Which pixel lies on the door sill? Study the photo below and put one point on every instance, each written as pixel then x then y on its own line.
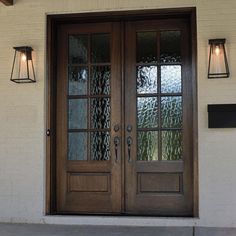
pixel 119 215
pixel 123 220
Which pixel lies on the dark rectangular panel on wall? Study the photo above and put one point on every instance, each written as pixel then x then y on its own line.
pixel 222 116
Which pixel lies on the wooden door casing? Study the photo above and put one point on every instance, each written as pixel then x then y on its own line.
pixel 124 197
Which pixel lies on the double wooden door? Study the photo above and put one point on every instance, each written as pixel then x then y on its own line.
pixel 123 124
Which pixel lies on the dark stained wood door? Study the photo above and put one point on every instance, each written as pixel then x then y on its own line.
pixel 88 119
pixel 158 118
pixel 124 118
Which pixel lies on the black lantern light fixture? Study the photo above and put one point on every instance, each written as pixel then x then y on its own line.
pixel 23 67
pixel 218 65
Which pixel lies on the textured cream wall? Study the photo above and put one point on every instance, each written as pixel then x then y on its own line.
pixel 22 113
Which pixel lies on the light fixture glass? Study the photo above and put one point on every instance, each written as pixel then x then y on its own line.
pixel 23 67
pixel 218 64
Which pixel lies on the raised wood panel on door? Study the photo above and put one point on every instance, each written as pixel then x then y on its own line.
pixel 87 186
pixel 158 187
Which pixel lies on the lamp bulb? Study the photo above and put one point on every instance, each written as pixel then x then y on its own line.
pixel 217 50
pixel 23 57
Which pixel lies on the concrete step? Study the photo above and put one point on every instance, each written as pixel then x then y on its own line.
pixel 66 230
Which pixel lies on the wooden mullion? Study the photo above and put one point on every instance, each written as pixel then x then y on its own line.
pixel 171 94
pixel 147 95
pixel 77 65
pixel 160 94
pixel 159 64
pixel 91 64
pixel 88 130
pixel 159 129
pixel 89 106
pixel 88 96
pixel 101 64
pixel 159 97
pixel 146 64
pixel 170 63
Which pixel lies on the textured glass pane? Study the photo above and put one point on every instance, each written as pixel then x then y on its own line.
pixel 146 47
pixel 78 49
pixel 100 80
pixel 77 113
pixel 148 146
pixel 147 110
pixel 171 145
pixel 171 79
pixel 146 79
pixel 171 112
pixel 78 80
pixel 100 44
pixel 170 46
pixel 77 146
pixel 100 146
pixel 101 113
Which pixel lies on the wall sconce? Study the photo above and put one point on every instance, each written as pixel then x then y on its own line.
pixel 218 65
pixel 23 67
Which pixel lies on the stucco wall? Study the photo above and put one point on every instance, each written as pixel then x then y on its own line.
pixel 22 113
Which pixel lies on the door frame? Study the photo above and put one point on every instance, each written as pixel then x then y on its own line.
pixel 53 22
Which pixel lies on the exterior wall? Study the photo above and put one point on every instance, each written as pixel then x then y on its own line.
pixel 23 112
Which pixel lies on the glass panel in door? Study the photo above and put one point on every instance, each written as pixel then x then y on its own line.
pixel 89 97
pixel 159 95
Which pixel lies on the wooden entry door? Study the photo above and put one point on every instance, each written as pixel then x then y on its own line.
pixel 89 119
pixel 124 118
pixel 158 118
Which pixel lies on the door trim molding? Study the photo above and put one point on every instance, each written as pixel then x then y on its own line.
pixel 53 22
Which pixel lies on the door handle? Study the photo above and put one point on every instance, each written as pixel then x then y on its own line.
pixel 116 143
pixel 129 143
